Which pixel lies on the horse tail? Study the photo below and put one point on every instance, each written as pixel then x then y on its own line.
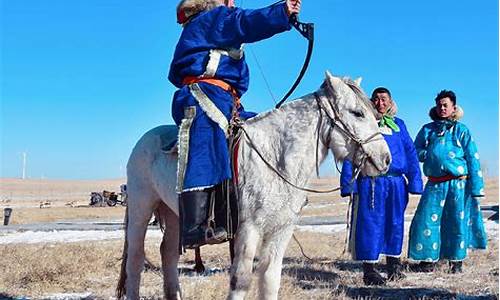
pixel 120 288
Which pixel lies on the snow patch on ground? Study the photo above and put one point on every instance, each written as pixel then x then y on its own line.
pixel 491 228
pixel 73 236
pixel 67 236
pixel 326 229
pixel 69 296
pixel 318 206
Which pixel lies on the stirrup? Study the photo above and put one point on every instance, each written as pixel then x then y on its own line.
pixel 211 237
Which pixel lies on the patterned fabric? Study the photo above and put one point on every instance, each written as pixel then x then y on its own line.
pixel 448 219
pixel 447 222
pixel 211 46
pixel 447 148
pixel 378 207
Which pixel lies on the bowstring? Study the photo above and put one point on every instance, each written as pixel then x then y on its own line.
pixel 262 74
pixel 261 70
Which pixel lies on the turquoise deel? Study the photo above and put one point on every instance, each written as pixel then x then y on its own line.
pixel 380 202
pixel 221 28
pixel 448 218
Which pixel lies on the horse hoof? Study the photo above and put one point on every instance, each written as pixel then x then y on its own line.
pixel 200 269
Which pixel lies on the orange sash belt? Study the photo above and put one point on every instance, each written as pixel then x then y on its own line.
pixel 217 82
pixel 445 178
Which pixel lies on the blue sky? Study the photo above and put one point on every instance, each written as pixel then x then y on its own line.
pixel 82 80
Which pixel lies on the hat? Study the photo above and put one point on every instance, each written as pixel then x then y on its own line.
pixel 188 8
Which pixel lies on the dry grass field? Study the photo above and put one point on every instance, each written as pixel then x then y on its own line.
pixel 91 268
pixel 68 199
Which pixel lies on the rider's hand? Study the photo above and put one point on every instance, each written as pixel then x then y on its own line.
pixel 292 7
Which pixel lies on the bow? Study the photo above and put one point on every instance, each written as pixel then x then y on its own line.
pixel 307 31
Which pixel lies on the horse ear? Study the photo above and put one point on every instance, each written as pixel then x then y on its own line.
pixel 358 80
pixel 331 80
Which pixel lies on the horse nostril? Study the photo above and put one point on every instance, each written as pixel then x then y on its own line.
pixel 387 159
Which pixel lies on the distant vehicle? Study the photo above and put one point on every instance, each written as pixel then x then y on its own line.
pixel 108 198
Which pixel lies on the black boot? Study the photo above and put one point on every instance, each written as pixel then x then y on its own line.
pixel 194 213
pixel 423 266
pixel 455 267
pixel 371 276
pixel 394 269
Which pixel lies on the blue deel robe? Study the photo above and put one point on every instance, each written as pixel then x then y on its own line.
pixel 226 29
pixel 377 219
pixel 448 219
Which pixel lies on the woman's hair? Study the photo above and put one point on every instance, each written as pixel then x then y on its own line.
pixel 446 94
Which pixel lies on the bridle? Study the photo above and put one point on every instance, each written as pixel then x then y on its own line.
pixel 335 121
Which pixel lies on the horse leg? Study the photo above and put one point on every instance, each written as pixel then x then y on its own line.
pixel 169 250
pixel 269 268
pixel 198 262
pixel 241 269
pixel 231 250
pixel 140 209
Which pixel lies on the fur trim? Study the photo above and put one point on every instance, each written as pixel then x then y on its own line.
pixel 456 116
pixel 393 110
pixel 459 113
pixel 183 141
pixel 189 8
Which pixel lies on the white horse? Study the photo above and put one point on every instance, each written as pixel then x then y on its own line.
pixel 291 141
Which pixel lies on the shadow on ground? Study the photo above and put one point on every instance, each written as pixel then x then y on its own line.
pixel 406 293
pixel 309 277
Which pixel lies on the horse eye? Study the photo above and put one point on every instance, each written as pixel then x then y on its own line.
pixel 357 113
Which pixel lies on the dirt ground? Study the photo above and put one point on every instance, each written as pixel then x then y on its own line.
pixel 40 270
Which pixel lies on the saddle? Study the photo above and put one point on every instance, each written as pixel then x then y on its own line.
pixel 223 209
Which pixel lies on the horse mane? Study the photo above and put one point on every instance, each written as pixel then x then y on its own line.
pixel 347 80
pixel 360 94
pixel 265 114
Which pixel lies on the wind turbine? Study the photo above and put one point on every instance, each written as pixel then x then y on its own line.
pixel 24 165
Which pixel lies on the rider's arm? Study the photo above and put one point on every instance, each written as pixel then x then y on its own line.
pixel 237 26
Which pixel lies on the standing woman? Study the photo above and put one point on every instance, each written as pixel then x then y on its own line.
pixel 448 218
pixel 211 75
pixel 379 202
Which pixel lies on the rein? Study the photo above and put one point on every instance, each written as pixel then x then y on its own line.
pixel 343 129
pixel 270 166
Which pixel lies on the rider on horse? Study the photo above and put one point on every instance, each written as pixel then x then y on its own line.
pixel 211 74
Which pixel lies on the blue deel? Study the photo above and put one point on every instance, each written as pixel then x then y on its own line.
pixel 379 203
pixel 448 219
pixel 220 28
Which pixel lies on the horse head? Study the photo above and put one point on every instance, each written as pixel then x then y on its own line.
pixel 352 131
